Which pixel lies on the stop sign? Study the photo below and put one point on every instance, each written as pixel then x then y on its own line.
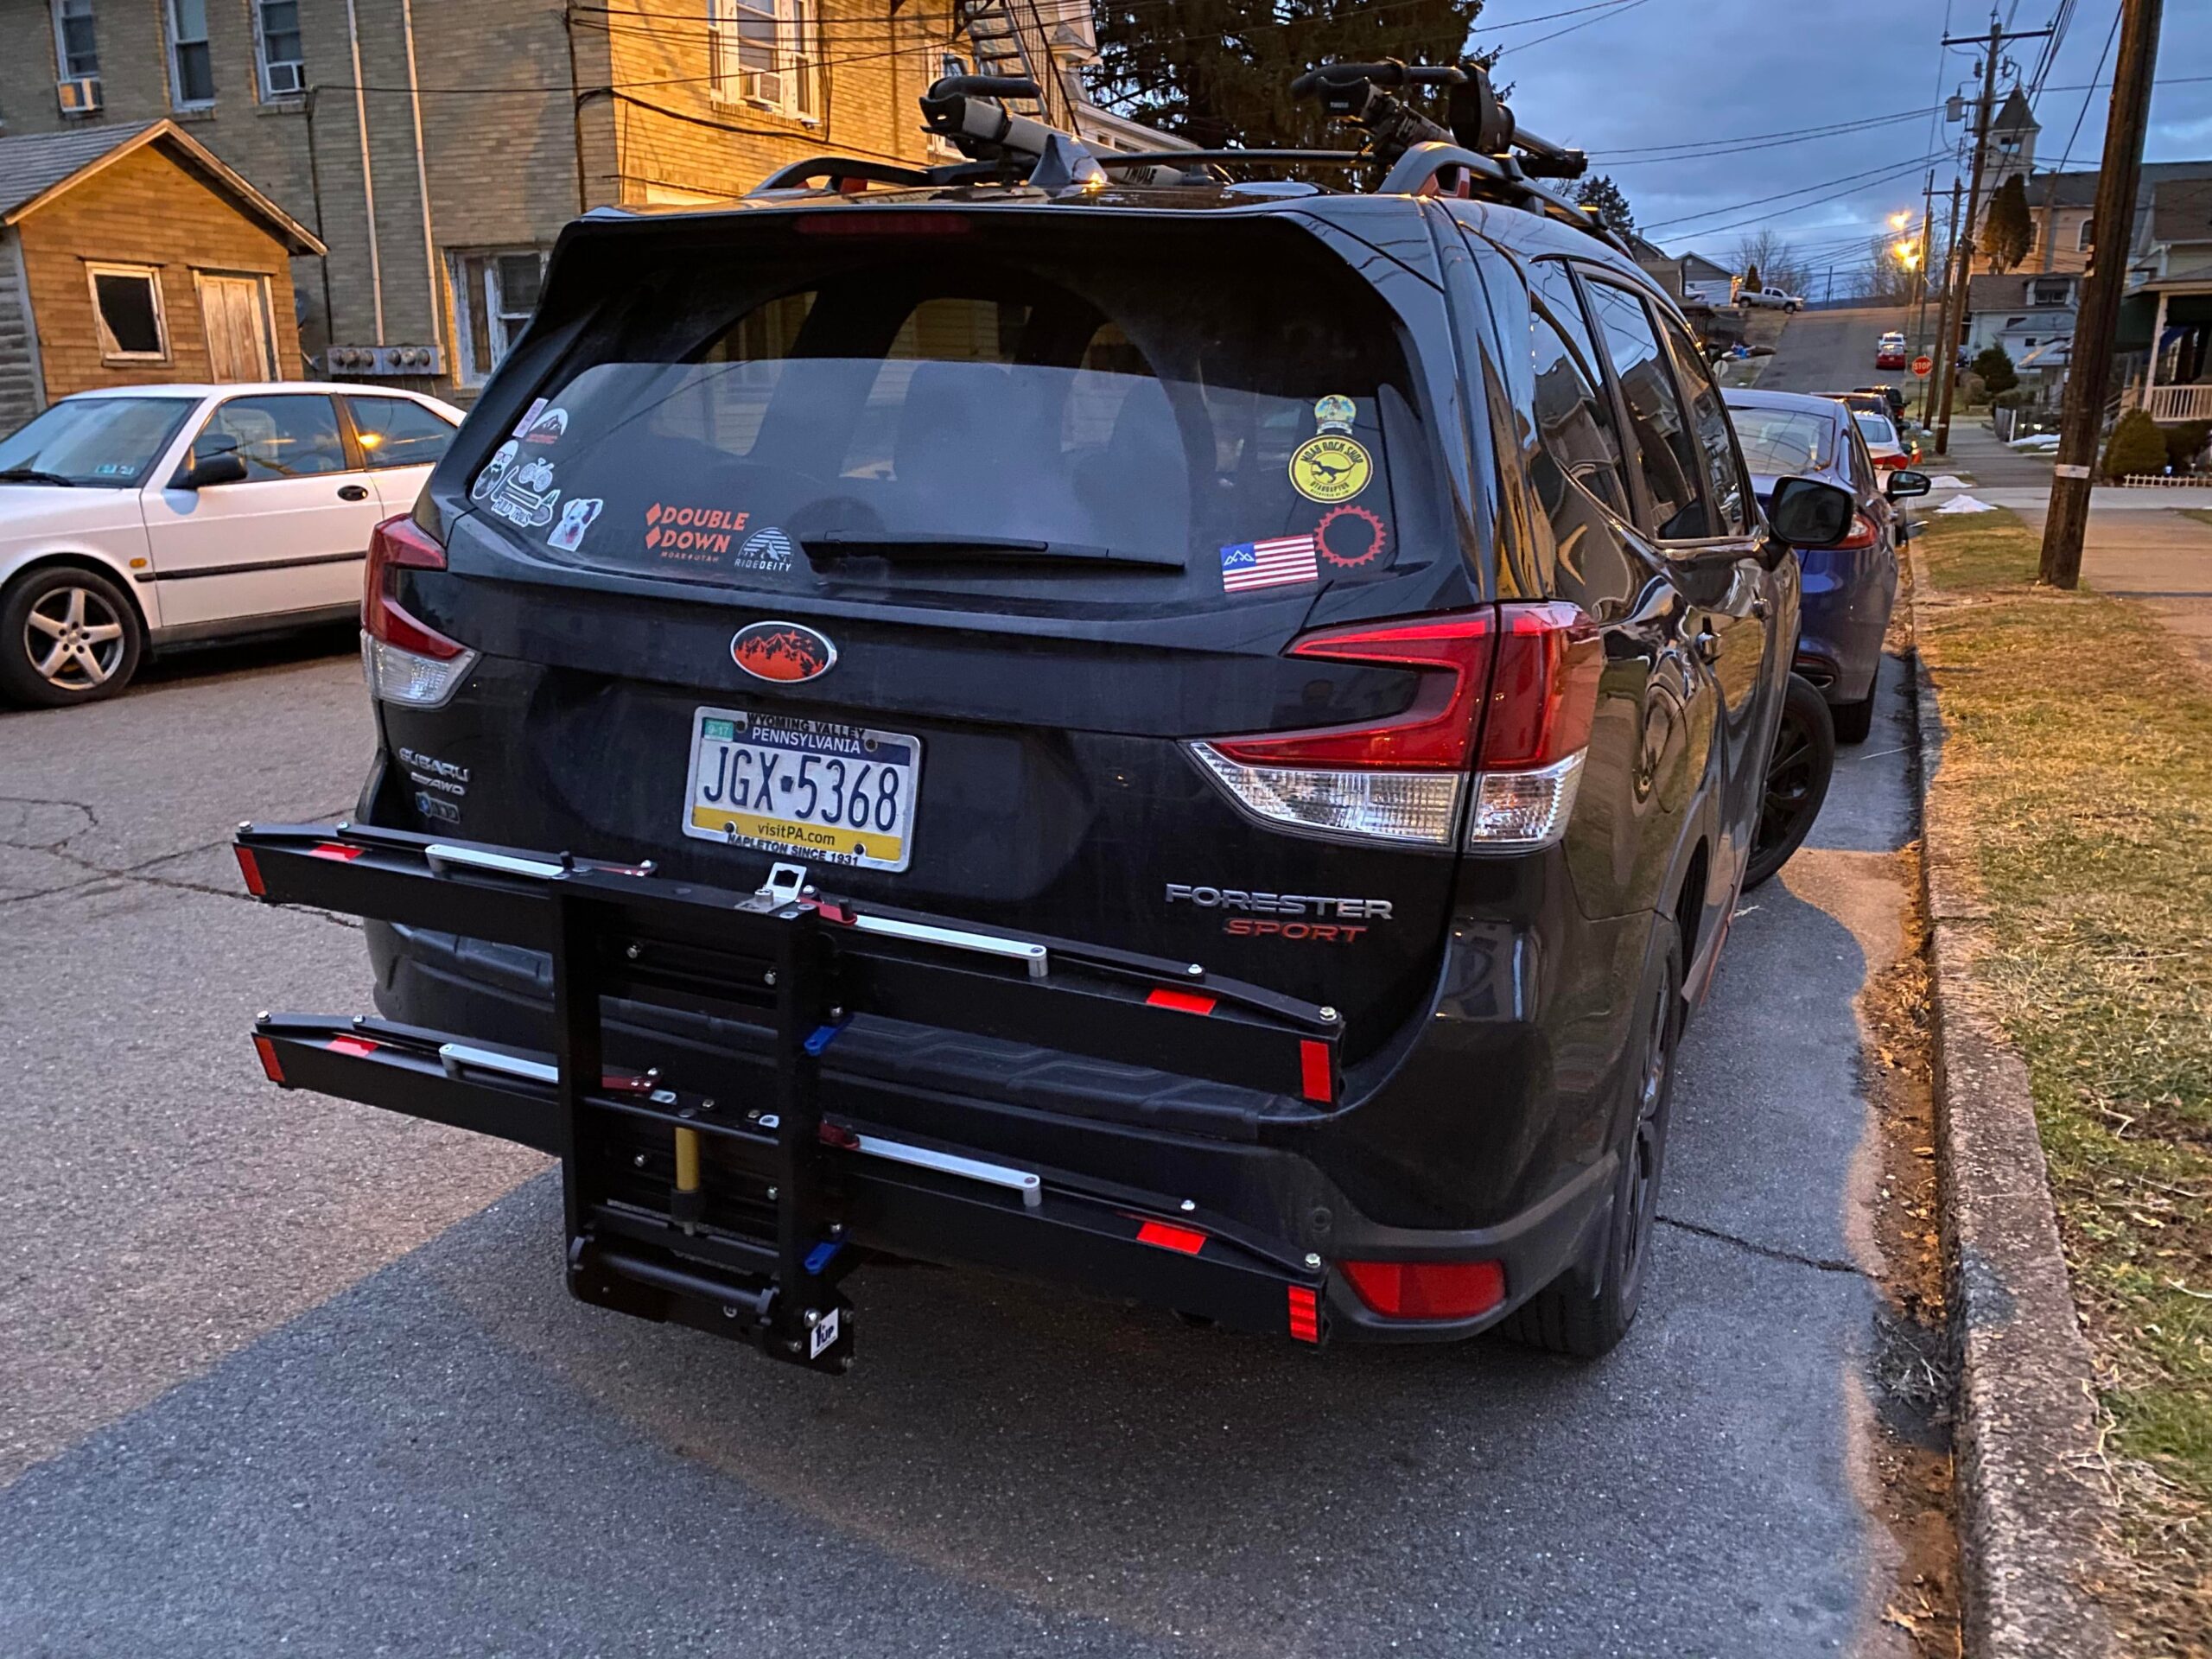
pixel 1922 364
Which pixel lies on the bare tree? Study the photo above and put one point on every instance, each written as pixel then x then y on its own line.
pixel 1888 279
pixel 1774 258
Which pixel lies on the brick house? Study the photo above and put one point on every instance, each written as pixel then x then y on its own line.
pixel 129 254
pixel 439 149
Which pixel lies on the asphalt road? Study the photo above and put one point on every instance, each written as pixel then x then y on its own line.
pixel 1834 350
pixel 278 1372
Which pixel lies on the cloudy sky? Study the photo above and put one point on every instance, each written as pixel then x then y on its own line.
pixel 1632 77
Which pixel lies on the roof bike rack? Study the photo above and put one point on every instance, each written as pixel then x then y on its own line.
pixel 728 1197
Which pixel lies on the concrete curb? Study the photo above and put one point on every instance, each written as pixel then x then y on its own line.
pixel 2035 1504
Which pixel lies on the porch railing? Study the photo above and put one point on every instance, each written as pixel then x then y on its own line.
pixel 2179 403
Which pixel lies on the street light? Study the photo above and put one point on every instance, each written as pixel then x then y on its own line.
pixel 1902 217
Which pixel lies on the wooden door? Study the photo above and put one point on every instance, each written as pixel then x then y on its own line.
pixel 237 327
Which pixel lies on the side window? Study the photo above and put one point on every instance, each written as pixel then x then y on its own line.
pixel 290 435
pixel 1574 422
pixel 1715 438
pixel 1862 464
pixel 398 431
pixel 1666 452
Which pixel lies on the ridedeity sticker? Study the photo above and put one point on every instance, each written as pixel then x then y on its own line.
pixel 691 535
pixel 523 494
pixel 1352 538
pixel 1329 469
pixel 1274 563
pixel 549 428
pixel 768 551
pixel 575 519
pixel 1335 413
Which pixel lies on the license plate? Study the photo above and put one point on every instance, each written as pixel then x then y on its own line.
pixel 809 788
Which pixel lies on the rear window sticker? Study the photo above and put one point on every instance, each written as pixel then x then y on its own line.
pixel 1329 469
pixel 1335 413
pixel 548 428
pixel 575 519
pixel 1278 563
pixel 691 535
pixel 537 408
pixel 1352 538
pixel 522 494
pixel 767 549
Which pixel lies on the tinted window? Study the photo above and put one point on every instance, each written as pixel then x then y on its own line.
pixel 753 424
pixel 1666 451
pixel 1709 420
pixel 1574 423
pixel 398 431
pixel 294 435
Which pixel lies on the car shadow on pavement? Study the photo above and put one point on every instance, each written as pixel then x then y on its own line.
pixel 247 656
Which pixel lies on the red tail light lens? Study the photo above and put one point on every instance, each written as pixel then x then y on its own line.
pixel 1864 532
pixel 1889 463
pixel 1427 1290
pixel 1545 694
pixel 394 544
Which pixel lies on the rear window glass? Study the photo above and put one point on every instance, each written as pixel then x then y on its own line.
pixel 1784 439
pixel 1012 415
pixel 1875 428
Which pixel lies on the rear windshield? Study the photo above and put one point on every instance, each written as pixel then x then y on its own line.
pixel 991 407
pixel 1875 429
pixel 1784 439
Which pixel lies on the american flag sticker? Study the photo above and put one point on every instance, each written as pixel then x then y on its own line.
pixel 1276 564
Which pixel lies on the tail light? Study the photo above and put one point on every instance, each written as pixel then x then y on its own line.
pixel 1427 1290
pixel 1889 463
pixel 1864 532
pixel 405 660
pixel 1507 694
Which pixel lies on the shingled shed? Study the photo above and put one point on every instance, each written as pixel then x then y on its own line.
pixel 133 253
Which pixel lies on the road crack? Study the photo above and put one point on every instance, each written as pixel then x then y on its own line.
pixel 1819 1264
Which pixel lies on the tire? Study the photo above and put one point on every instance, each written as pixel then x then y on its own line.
pixel 1796 780
pixel 68 635
pixel 1572 1315
pixel 1853 721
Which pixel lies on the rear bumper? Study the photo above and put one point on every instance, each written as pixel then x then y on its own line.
pixel 1199 1159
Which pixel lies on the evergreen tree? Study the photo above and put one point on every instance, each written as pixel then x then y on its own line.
pixel 1218 72
pixel 1751 278
pixel 1600 191
pixel 1994 366
pixel 2007 233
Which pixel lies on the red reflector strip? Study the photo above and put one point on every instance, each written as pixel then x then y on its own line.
pixel 1305 1314
pixel 1313 1079
pixel 250 872
pixel 1184 1241
pixel 336 849
pixel 267 1050
pixel 1181 1001
pixel 356 1046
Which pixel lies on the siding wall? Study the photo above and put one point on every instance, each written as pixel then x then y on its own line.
pixel 143 210
pixel 22 395
pixel 511 155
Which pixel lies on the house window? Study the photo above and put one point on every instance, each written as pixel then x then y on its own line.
pixel 760 53
pixel 76 39
pixel 127 299
pixel 278 50
pixel 2048 293
pixel 192 66
pixel 494 294
pixel 2084 239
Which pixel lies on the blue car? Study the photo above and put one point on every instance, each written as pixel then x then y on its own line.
pixel 1848 587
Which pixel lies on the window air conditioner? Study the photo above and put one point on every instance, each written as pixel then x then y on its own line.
pixel 80 97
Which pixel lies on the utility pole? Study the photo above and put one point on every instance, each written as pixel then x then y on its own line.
pixel 1946 329
pixel 1991 49
pixel 2113 223
pixel 1920 270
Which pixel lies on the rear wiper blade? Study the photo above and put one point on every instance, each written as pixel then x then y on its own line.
pixel 32 475
pixel 924 548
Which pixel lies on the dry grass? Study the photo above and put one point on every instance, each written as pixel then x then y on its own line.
pixel 2078 742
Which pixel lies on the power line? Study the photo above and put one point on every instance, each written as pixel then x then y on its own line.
pixel 2095 75
pixel 1619 7
pixel 1867 175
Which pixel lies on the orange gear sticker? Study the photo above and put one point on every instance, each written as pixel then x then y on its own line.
pixel 1346 545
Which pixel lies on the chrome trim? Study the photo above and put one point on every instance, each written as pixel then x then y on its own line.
pixel 955 939
pixel 456 1056
pixel 1032 1187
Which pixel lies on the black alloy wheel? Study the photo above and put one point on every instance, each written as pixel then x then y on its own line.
pixel 1797 774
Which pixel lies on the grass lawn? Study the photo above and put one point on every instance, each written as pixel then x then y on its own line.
pixel 2078 742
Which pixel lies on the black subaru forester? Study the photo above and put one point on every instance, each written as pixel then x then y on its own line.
pixel 1242 707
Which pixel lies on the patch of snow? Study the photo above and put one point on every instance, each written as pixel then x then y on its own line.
pixel 2036 440
pixel 1947 481
pixel 1965 504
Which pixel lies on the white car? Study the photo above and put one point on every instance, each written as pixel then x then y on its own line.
pixel 1769 299
pixel 148 515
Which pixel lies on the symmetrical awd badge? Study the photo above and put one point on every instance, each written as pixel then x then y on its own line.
pixel 786 652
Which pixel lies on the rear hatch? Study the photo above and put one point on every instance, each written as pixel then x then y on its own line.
pixel 925 545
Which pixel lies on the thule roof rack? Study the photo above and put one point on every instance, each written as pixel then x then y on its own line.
pixel 1482 153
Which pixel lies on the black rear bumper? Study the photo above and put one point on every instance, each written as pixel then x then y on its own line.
pixel 1214 1225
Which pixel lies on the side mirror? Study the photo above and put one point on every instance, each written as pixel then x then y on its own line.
pixel 1809 513
pixel 218 462
pixel 1903 483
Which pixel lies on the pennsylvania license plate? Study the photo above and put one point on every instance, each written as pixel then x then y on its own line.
pixel 809 788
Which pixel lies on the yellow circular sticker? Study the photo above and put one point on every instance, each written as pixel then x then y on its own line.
pixel 1330 468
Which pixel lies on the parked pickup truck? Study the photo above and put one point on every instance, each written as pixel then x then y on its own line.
pixel 1769 299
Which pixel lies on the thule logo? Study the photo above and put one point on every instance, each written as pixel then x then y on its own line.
pixel 1279 904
